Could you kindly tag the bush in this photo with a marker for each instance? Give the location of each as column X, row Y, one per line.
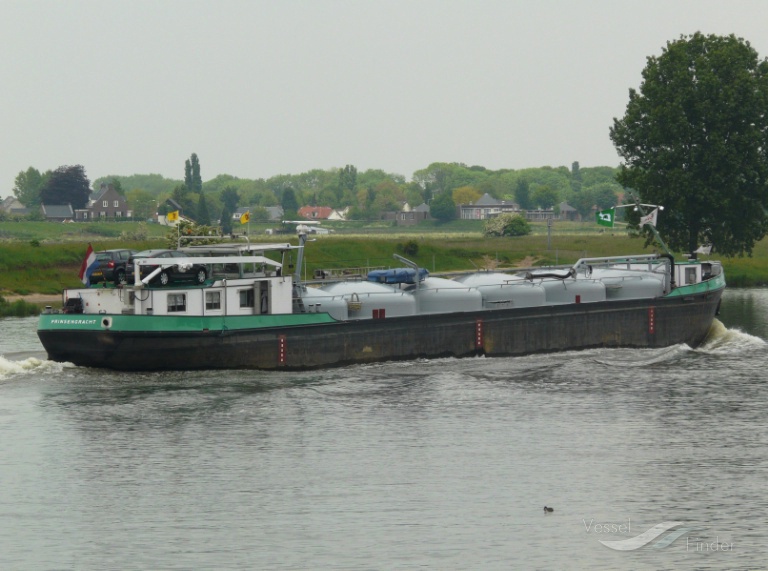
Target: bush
column 181, row 235
column 409, row 248
column 18, row 308
column 139, row 234
column 507, row 225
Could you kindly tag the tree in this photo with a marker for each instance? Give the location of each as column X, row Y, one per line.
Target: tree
column 347, row 181
column 226, row 220
column 695, row 139
column 192, row 178
column 604, row 196
column 583, row 202
column 290, row 204
column 182, row 196
column 545, row 197
column 203, row 216
column 197, row 182
column 576, row 180
column 387, row 196
column 507, row 225
column 142, row 203
column 523, row 194
column 67, row 185
column 27, row 187
column 230, row 198
column 442, row 207
column 188, row 174
column 465, row 195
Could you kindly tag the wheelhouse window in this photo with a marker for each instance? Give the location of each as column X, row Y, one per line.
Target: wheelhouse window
column 212, row 300
column 246, row 298
column 177, row 302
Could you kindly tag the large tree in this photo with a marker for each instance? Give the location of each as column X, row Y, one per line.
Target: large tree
column 67, row 185
column 203, row 216
column 192, row 178
column 347, row 181
column 28, row 185
column 695, row 139
column 290, row 204
column 523, row 194
column 143, row 204
column 443, row 207
column 466, row 195
column 197, row 181
column 230, row 198
column 545, row 197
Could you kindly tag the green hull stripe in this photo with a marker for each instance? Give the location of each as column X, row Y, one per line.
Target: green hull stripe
column 718, row 282
column 90, row 322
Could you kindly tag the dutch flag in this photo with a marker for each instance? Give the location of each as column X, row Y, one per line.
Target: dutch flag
column 89, row 264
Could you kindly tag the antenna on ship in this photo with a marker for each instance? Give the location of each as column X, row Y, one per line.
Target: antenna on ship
column 649, row 219
column 302, row 229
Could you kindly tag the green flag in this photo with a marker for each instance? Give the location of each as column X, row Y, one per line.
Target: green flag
column 605, row 217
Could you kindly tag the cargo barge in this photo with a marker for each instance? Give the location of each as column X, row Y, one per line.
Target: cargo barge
column 250, row 314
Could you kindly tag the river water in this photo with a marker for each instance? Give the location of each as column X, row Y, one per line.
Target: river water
column 440, row 464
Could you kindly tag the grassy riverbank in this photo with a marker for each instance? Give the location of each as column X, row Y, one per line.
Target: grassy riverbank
column 45, row 266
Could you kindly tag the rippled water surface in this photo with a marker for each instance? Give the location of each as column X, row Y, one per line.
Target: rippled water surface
column 441, row 464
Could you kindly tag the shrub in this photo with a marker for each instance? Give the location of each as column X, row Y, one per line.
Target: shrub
column 507, row 225
column 409, row 248
column 18, row 308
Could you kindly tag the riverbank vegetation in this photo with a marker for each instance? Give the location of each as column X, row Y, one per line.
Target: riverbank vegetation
column 17, row 308
column 42, row 261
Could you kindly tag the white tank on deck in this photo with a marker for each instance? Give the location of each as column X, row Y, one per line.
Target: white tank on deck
column 636, row 283
column 439, row 295
column 318, row 301
column 500, row 290
column 487, row 278
column 634, row 287
column 573, row 291
column 366, row 300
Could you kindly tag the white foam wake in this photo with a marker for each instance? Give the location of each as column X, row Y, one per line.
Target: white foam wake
column 722, row 340
column 30, row 365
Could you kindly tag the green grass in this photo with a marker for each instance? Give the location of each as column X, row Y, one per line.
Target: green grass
column 49, row 267
column 94, row 232
column 44, row 257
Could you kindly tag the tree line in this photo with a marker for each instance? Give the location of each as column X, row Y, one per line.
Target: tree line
column 365, row 194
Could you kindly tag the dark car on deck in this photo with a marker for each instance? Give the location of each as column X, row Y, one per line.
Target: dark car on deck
column 196, row 273
column 111, row 266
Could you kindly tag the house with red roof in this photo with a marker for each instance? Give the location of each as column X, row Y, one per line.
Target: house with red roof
column 315, row 212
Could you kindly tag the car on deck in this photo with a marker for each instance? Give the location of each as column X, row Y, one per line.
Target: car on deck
column 111, row 266
column 196, row 273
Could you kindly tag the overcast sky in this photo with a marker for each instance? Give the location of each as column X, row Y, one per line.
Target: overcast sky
column 258, row 88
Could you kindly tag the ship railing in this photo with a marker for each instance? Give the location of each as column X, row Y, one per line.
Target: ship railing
column 627, row 262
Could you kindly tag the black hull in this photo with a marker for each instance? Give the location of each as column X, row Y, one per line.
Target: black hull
column 633, row 323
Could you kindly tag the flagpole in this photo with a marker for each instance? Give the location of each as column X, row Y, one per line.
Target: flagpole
column 639, row 208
